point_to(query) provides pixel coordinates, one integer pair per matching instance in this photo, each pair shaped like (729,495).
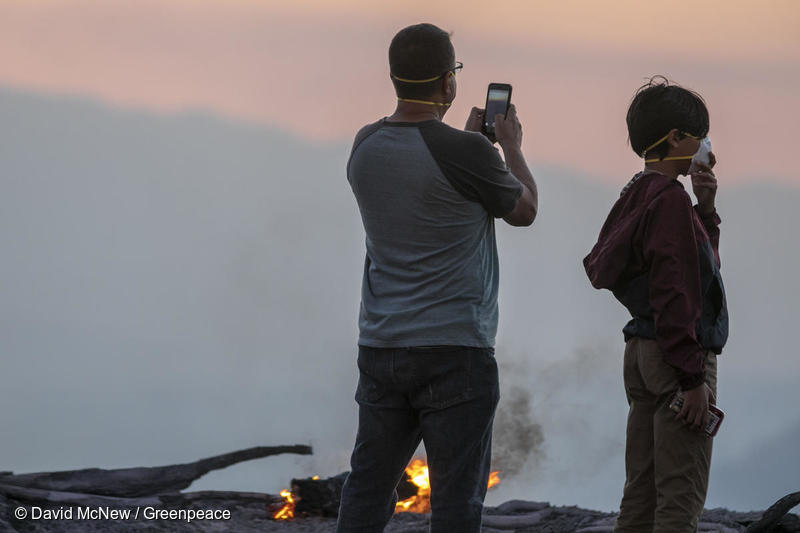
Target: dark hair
(419,52)
(659,107)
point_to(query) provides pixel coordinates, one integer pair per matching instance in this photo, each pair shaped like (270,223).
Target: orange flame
(287,511)
(417,471)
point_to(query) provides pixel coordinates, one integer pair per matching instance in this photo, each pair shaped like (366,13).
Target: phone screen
(496,104)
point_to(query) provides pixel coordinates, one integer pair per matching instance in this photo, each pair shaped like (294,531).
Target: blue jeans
(446,397)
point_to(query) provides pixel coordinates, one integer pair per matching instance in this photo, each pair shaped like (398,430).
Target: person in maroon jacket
(659,256)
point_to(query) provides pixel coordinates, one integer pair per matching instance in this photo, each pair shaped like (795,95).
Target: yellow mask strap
(428,80)
(428,102)
(661,140)
(672,158)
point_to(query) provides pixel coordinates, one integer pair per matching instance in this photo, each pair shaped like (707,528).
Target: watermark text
(35,512)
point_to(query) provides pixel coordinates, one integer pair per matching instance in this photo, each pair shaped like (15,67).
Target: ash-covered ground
(514,516)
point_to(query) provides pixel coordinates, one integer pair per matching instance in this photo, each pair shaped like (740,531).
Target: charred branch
(773,515)
(139,481)
(174,499)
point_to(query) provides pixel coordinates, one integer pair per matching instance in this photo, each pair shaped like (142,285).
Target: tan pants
(666,462)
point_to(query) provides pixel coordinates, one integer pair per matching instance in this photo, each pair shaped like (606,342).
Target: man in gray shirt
(428,196)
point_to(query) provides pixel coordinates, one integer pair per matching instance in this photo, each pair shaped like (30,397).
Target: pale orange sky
(318,69)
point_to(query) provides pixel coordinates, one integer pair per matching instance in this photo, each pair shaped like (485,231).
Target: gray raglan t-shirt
(428,195)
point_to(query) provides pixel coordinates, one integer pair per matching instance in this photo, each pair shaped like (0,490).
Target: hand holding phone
(475,120)
(508,131)
(498,100)
(715,414)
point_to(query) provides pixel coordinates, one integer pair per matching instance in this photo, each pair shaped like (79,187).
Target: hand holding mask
(702,158)
(704,182)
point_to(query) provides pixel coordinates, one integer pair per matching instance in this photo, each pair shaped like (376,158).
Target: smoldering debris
(59,492)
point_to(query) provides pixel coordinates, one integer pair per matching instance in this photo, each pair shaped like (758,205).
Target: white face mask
(701,157)
(701,160)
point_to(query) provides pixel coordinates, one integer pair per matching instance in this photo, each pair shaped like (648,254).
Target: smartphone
(498,98)
(715,414)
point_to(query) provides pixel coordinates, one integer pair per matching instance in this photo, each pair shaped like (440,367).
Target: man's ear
(446,88)
(673,137)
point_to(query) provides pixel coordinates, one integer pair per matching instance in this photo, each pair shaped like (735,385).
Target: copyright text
(109,513)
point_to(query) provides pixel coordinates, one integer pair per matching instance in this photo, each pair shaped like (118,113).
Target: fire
(287,511)
(417,471)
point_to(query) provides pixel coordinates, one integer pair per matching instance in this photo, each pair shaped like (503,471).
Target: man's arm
(670,248)
(508,132)
(704,185)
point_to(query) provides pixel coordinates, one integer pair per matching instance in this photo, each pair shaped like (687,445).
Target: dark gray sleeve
(362,134)
(474,168)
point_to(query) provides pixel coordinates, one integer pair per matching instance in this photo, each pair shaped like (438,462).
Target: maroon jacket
(659,256)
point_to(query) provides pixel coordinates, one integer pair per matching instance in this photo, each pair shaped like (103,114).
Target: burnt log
(321,497)
(318,497)
(32,495)
(140,481)
(40,496)
(772,516)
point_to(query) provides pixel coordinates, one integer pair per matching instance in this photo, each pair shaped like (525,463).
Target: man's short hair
(419,52)
(659,107)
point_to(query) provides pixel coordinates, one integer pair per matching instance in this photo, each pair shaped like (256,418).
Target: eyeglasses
(459,65)
(455,69)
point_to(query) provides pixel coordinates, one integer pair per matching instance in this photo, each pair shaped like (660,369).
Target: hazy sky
(158,261)
(176,287)
(319,68)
